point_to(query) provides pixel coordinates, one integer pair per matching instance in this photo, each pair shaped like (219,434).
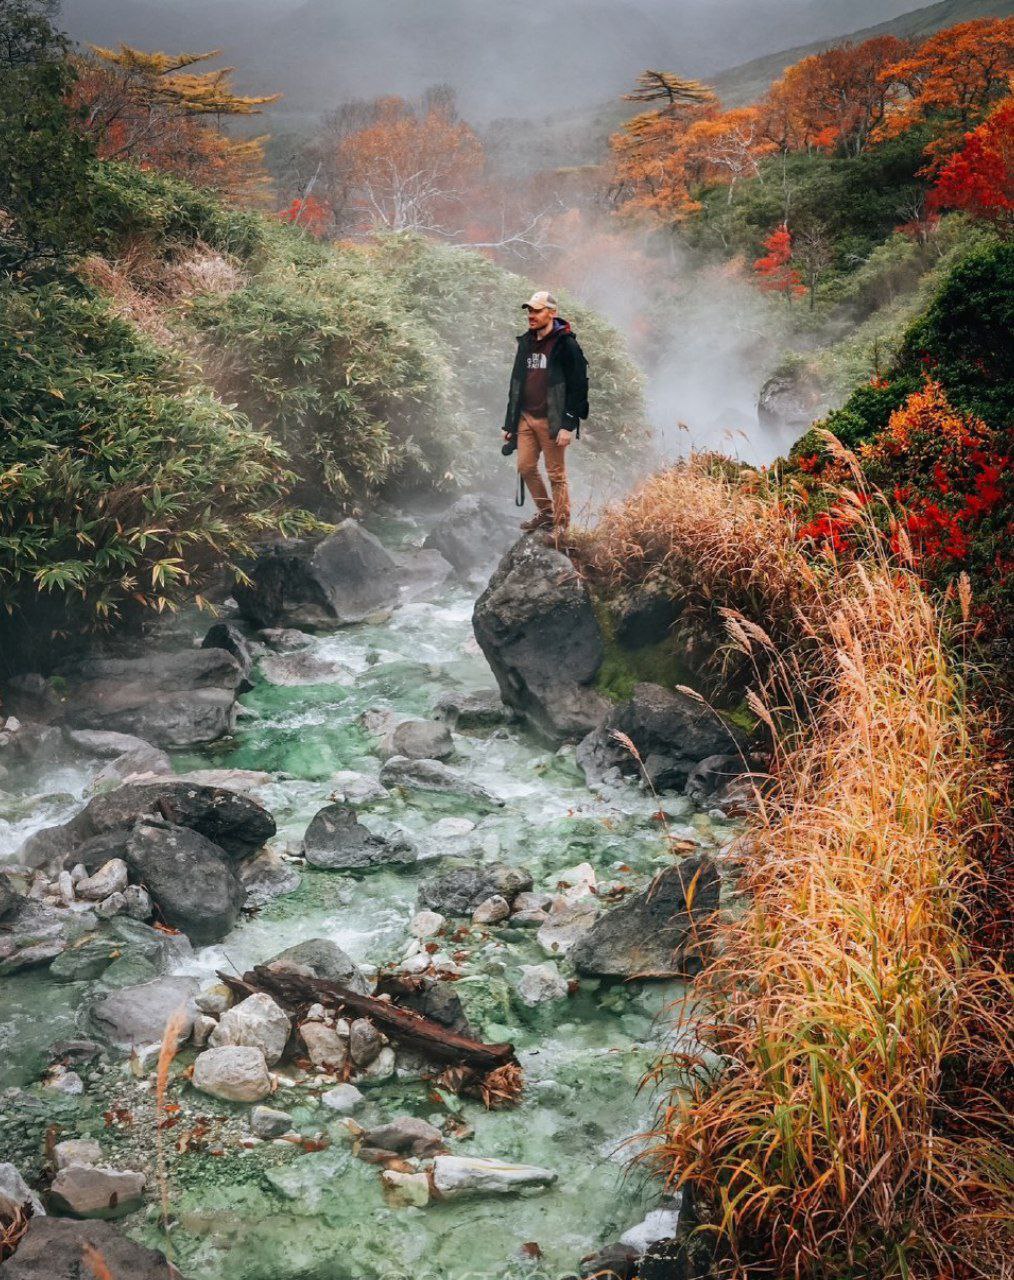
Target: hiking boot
(541,520)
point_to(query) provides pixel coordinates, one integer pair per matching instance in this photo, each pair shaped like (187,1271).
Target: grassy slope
(747,82)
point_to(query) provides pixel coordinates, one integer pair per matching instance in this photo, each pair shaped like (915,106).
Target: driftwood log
(403,1026)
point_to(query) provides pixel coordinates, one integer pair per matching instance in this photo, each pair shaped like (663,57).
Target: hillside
(745,83)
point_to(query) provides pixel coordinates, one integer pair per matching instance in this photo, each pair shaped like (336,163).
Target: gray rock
(541,983)
(77,1151)
(265,1122)
(204,1025)
(483,709)
(477,1175)
(303,667)
(365,1042)
(322,958)
(422,740)
(791,400)
(644,617)
(111,877)
(611,1262)
(566,923)
(256,1021)
(104,743)
(9,897)
(196,887)
(459,890)
(431,775)
(169,699)
(15,1193)
(112,906)
(237,1073)
(343,1098)
(138,1015)
(266,876)
(337,841)
(405,1135)
(54,1247)
(34,933)
(84,1191)
(132,764)
(214,999)
(223,635)
(137,951)
(137,902)
(654,933)
(472,535)
(324,584)
(671,731)
(538,630)
(284,639)
(325,1047)
(355,788)
(713,774)
(234,822)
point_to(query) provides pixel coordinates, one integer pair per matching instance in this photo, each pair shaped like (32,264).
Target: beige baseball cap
(541,298)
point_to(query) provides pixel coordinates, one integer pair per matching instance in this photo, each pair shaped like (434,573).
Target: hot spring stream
(275,1211)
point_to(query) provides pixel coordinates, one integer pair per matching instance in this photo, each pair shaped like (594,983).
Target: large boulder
(139,1015)
(791,400)
(223,635)
(460,889)
(333,581)
(656,933)
(169,699)
(672,731)
(536,625)
(196,887)
(57,1249)
(472,535)
(322,958)
(234,822)
(338,841)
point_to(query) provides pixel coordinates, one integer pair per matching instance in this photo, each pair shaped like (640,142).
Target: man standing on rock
(548,397)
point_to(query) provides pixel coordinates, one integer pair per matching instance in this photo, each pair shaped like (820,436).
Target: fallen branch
(404,1026)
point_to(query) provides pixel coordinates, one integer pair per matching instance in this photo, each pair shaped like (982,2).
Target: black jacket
(568,383)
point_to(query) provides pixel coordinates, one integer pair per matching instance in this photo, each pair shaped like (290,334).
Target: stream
(274,1209)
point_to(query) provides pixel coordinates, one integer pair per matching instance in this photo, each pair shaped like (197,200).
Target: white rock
(326,1049)
(577,882)
(406,1189)
(111,877)
(78,872)
(567,922)
(68,1082)
(65,883)
(532,901)
(478,1175)
(256,1021)
(416,964)
(343,1098)
(494,910)
(204,1025)
(235,1072)
(316,1013)
(660,1224)
(541,983)
(77,1151)
(426,924)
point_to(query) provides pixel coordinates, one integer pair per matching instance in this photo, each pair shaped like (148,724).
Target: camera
(510,446)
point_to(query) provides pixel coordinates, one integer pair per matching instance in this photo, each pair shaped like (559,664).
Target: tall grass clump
(842,1112)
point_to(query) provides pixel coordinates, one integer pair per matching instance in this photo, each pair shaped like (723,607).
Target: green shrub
(120,483)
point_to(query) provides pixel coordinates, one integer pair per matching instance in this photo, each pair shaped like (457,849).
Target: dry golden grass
(841,1114)
(97,1265)
(172,1038)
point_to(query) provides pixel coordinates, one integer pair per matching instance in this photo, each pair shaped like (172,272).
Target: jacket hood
(560,326)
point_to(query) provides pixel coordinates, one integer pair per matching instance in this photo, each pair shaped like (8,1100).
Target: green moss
(623,668)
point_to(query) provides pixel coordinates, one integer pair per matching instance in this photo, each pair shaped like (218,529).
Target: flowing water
(288,1214)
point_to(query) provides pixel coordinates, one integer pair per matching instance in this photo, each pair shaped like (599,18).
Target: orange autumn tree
(725,148)
(411,169)
(155,110)
(980,177)
(958,72)
(835,100)
(650,173)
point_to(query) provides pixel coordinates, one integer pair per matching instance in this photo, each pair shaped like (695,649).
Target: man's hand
(563,438)
(507,435)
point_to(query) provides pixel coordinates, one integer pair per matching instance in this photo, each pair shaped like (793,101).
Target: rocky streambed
(353,805)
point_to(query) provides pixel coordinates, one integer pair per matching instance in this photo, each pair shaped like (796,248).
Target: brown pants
(534,439)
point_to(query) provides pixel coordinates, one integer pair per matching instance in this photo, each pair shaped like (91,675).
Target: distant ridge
(748,82)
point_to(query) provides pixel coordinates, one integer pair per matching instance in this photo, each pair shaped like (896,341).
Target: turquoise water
(293,1215)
